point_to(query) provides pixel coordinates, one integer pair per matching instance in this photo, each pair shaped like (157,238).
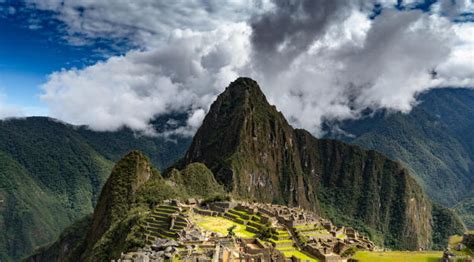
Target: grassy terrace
(291,251)
(395,256)
(220,225)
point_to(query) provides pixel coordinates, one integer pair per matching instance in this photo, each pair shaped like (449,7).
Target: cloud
(144,23)
(279,36)
(356,63)
(452,8)
(316,60)
(184,74)
(458,69)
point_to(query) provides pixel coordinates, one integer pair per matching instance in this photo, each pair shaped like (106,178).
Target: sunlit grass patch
(454,241)
(291,251)
(220,225)
(395,256)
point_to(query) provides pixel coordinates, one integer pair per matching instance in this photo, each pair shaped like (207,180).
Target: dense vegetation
(67,243)
(435,140)
(445,225)
(132,190)
(465,209)
(162,151)
(49,178)
(51,175)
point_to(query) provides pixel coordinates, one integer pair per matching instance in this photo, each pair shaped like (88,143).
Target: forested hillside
(51,174)
(435,140)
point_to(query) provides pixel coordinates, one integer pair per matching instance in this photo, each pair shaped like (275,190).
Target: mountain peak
(118,193)
(251,149)
(241,91)
(244,84)
(238,116)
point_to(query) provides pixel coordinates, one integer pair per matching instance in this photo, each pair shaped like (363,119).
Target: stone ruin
(303,227)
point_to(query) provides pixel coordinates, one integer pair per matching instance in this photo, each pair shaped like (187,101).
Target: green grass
(291,251)
(220,225)
(282,241)
(455,240)
(241,212)
(395,256)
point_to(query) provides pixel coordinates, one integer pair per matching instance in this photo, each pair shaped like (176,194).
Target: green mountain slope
(435,140)
(26,211)
(256,154)
(51,174)
(49,178)
(465,209)
(132,190)
(162,151)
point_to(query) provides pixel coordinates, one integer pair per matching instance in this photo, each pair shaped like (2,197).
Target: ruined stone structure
(290,228)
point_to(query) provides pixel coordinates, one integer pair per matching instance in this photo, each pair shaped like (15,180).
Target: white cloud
(184,74)
(458,69)
(359,64)
(349,64)
(145,23)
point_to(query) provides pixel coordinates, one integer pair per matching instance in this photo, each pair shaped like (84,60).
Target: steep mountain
(131,192)
(49,178)
(435,141)
(119,192)
(256,154)
(51,174)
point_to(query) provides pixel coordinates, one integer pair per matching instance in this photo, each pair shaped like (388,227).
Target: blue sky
(32,46)
(113,63)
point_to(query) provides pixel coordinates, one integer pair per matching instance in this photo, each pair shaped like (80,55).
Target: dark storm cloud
(281,34)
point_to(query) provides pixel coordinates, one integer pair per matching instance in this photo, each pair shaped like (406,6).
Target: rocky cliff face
(256,154)
(250,147)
